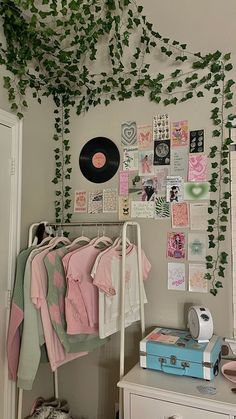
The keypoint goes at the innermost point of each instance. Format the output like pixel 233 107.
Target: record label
pixel 99 160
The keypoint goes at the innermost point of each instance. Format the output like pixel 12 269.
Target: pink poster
pixel 124 183
pixel 176 245
pixel 144 134
pixel 197 169
pixel 179 215
pixel 80 203
pixel 146 162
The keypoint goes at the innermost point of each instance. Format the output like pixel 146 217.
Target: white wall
pixel 204 26
pixel 37 192
pixel 90 383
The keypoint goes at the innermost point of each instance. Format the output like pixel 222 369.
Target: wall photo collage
pixel 163 177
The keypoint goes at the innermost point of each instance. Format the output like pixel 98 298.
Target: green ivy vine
pixel 83 53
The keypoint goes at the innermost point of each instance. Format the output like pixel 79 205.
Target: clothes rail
pixel 30 241
pixel 87 224
pixel 141 301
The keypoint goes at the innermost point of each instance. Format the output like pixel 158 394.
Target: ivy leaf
pixel 210 229
pixel 228 105
pixel 228 67
pixel 200 94
pixel 227 56
pixel 209 265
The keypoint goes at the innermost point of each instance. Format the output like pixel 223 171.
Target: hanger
pixel 80 239
pixel 102 240
pixel 60 239
pixel 46 240
pixel 118 243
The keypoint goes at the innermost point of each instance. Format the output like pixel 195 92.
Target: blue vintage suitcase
pixel 175 352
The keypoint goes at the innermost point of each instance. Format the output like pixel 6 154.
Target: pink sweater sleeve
pixel 13 341
pixel 146 265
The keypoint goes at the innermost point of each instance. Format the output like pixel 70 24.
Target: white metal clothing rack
pixel 141 300
pixel 122 333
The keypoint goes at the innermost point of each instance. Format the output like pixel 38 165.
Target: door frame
pixel 16 126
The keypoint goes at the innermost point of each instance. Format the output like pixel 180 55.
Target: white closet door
pixel 5 202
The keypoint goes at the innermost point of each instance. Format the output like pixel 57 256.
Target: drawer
pixel 147 407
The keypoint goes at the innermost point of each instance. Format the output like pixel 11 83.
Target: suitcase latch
pixel 173 360
pixel 185 364
pixel 162 360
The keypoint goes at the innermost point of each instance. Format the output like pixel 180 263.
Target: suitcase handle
pixel 178 371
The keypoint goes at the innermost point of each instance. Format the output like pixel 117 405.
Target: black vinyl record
pixel 99 160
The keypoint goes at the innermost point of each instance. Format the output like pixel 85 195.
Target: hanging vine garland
pixel 55 49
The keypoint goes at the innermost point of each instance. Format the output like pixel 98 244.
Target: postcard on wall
pixel 179 162
pixel 197 244
pixel 95 204
pixel 179 215
pixel 124 183
pixel 80 202
pixel 129 134
pixel 135 186
pixel 144 134
pixel 176 245
pixel 196 191
pixel 197 167
pixel 141 209
pixel 161 208
pixel 130 158
pixel 161 173
pixel 197 280
pixel 161 127
pixel 196 141
pixel 179 134
pixel 199 216
pixel 174 189
pixel 149 188
pixel 161 153
pixel 124 208
pixel 176 276
pixel 146 162
pixel 110 200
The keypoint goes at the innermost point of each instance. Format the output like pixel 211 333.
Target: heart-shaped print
pixel 194 190
pixel 129 133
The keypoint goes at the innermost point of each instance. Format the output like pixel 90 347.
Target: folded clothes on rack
pixel 50 409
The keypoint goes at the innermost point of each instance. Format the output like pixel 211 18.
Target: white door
pixel 10 204
pixel 5 199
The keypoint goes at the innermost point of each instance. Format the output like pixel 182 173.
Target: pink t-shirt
pixel 56 353
pixel 66 259
pixel 81 292
pixel 74 249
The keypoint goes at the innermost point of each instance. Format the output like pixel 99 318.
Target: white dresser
pixel 156 395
